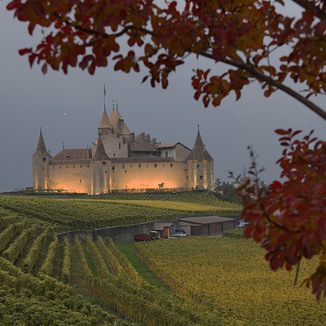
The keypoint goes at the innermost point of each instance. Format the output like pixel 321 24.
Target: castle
pixel 119 160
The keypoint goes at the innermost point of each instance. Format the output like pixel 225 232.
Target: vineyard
pixel 76 214
pixel 39 278
pixel 209 281
pixel 230 275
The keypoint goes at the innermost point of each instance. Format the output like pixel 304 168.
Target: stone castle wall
pixel 70 177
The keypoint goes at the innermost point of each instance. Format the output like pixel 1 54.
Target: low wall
pixel 124 233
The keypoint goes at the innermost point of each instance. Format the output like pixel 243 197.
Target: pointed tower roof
pixel 199 152
pixel 105 122
pixel 118 123
pixel 100 154
pixel 41 149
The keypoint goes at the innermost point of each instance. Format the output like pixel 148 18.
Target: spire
pixel 105 122
pixel 118 123
pixel 41 149
pixel 199 152
pixel 100 154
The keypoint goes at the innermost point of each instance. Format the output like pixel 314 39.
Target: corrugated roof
pixel 100 154
pixel 41 149
pixel 199 152
pixel 118 123
pixel 72 156
pixel 105 122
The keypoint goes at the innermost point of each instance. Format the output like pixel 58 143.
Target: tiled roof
pixel 199 152
pixel 141 145
pixel 41 149
pixel 118 123
pixel 165 145
pixel 100 154
pixel 72 156
pixel 105 122
pixel 140 159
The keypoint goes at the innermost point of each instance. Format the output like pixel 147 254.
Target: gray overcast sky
pixel 69 109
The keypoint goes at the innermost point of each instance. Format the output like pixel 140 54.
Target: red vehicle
pixel 145 237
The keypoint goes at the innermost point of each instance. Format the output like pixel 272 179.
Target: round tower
pixel 101 167
pixel 200 167
pixel 40 161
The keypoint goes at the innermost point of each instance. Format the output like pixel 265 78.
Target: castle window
pixel 44 159
pixel 106 171
pixel 166 154
pixel 88 166
pixel 123 166
pixel 103 163
pixel 197 166
pixel 80 181
pixel 119 145
pixel 155 165
pixel 201 177
pixel 112 167
pixel 113 154
pixel 125 171
pixel 73 166
pixel 67 167
pixel 80 166
pixel 187 178
pixel 171 165
pixel 59 167
pixel 53 168
pixel 139 165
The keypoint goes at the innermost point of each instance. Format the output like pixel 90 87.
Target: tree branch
pixel 252 70
pixel 310 6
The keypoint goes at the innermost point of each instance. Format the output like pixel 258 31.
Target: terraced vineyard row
pixel 77 214
pixel 117 285
pixel 28 299
pixel 231 276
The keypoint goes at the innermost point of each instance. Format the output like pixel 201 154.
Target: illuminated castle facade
pixel 119 160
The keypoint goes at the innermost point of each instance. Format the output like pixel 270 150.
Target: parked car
pixel 179 233
pixel 242 224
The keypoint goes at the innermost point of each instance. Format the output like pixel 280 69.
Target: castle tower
pixel 101 167
pixel 118 123
pixel 40 161
pixel 200 167
pixel 105 126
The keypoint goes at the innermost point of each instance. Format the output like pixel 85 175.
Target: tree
pixel 226 191
pixel 289 219
pixel 243 34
